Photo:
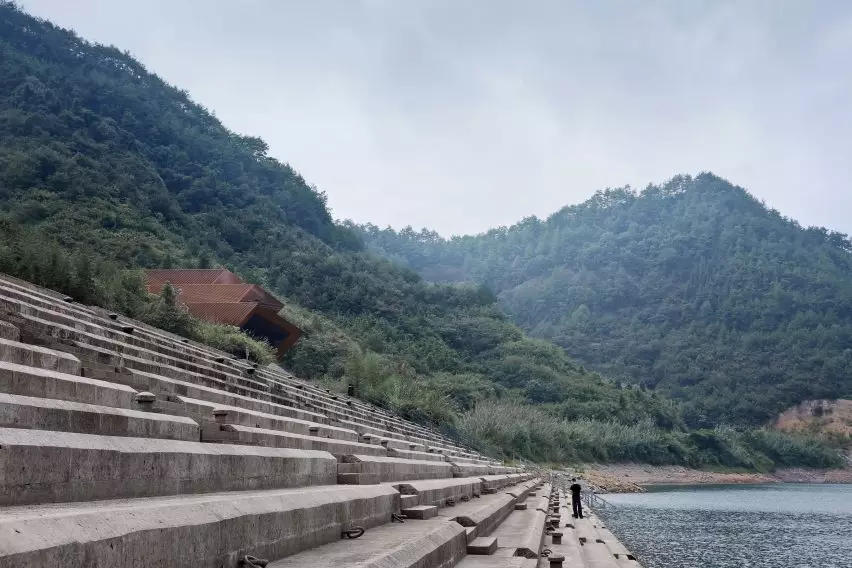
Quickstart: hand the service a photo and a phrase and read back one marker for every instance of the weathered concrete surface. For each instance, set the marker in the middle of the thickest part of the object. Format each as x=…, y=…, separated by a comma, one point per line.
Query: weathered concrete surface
x=236, y=434
x=9, y=331
x=41, y=357
x=50, y=467
x=64, y=416
x=203, y=410
x=415, y=544
x=483, y=545
x=437, y=491
x=31, y=381
x=412, y=455
x=201, y=531
x=421, y=512
x=522, y=532
x=503, y=562
x=497, y=482
x=484, y=513
x=158, y=384
x=378, y=469
x=469, y=469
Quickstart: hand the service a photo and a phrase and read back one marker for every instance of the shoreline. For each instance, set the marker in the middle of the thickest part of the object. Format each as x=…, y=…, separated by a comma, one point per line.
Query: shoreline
x=633, y=478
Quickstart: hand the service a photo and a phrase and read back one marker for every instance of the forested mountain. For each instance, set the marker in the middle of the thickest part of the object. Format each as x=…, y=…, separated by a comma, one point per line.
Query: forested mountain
x=104, y=169
x=694, y=289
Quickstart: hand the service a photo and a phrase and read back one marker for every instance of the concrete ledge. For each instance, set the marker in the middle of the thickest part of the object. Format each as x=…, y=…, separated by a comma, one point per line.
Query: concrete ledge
x=412, y=455
x=523, y=532
x=495, y=561
x=64, y=416
x=482, y=545
x=39, y=466
x=31, y=381
x=158, y=384
x=415, y=544
x=437, y=491
x=484, y=514
x=194, y=530
x=378, y=469
x=469, y=469
x=41, y=357
x=203, y=410
x=236, y=434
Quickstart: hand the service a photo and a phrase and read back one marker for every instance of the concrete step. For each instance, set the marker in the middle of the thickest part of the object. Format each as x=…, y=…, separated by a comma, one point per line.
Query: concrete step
x=502, y=562
x=31, y=381
x=237, y=434
x=158, y=384
x=379, y=469
x=63, y=416
x=469, y=469
x=522, y=533
x=421, y=512
x=412, y=455
x=482, y=546
x=203, y=410
x=485, y=514
x=438, y=491
x=40, y=357
x=210, y=530
x=406, y=501
x=414, y=544
x=40, y=466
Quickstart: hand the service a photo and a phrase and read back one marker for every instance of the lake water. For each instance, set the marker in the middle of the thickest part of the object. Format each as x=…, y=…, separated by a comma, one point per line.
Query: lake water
x=741, y=526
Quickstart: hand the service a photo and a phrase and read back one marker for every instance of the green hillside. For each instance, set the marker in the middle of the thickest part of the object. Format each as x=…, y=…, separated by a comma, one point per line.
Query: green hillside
x=105, y=169
x=694, y=289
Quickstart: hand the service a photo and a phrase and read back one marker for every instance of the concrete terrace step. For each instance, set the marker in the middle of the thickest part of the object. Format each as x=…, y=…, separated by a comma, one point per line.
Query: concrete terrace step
x=225, y=414
x=237, y=434
x=206, y=531
x=412, y=455
x=482, y=545
x=522, y=532
x=380, y=469
x=159, y=384
x=60, y=415
x=40, y=357
x=437, y=491
x=31, y=381
x=502, y=562
x=414, y=544
x=484, y=514
x=40, y=466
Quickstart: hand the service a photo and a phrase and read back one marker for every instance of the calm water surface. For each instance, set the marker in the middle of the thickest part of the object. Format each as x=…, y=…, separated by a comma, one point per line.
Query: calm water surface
x=736, y=526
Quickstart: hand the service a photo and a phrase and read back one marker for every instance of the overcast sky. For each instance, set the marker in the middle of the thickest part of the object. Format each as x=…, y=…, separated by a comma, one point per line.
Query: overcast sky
x=462, y=115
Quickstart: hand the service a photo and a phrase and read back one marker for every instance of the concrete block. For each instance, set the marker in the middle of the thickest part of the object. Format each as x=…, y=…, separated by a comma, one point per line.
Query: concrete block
x=9, y=331
x=417, y=544
x=40, y=357
x=31, y=381
x=49, y=414
x=406, y=501
x=483, y=545
x=210, y=530
x=421, y=512
x=522, y=531
x=43, y=466
x=469, y=469
x=412, y=455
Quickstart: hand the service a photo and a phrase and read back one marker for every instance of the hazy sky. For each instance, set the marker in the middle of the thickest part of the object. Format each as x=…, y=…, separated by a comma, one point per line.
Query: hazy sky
x=462, y=115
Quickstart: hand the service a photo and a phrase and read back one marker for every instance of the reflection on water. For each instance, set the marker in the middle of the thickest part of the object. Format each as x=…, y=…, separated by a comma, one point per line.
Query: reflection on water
x=766, y=526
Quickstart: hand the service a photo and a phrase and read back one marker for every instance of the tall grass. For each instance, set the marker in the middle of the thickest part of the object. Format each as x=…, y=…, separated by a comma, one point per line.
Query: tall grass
x=507, y=427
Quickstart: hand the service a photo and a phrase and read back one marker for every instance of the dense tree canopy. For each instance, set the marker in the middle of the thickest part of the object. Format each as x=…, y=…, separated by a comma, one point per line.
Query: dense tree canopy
x=693, y=288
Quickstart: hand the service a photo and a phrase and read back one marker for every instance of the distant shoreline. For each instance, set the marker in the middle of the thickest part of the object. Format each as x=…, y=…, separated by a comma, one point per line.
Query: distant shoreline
x=632, y=478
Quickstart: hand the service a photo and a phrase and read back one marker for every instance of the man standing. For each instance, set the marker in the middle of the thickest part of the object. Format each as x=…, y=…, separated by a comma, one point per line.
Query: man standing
x=576, y=503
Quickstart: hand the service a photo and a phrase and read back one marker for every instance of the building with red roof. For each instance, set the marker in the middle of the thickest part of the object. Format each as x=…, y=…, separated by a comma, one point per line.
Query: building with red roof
x=218, y=295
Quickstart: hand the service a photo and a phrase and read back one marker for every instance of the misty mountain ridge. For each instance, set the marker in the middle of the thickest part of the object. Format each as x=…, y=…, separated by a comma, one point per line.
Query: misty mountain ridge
x=693, y=287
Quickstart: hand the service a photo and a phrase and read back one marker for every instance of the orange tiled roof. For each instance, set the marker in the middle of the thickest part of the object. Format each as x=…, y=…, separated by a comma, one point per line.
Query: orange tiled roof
x=231, y=313
x=210, y=293
x=157, y=278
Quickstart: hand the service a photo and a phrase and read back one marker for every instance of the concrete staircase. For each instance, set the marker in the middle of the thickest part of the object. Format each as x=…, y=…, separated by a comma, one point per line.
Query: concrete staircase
x=122, y=445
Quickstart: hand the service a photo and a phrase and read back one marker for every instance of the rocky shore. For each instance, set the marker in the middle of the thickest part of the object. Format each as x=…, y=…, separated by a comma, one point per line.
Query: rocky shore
x=631, y=478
